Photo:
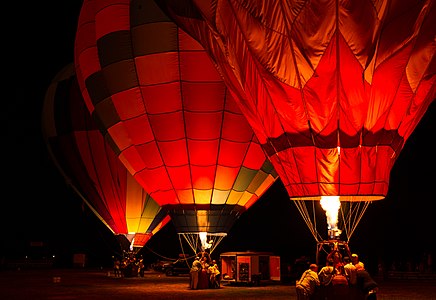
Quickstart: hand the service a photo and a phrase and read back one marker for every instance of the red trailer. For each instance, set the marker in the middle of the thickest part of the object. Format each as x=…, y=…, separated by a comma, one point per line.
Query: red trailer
x=249, y=267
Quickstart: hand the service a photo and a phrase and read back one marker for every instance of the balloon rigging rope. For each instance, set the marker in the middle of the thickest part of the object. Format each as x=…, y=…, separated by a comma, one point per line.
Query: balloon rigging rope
x=161, y=256
x=305, y=214
x=359, y=215
x=353, y=217
x=183, y=252
x=193, y=240
x=350, y=219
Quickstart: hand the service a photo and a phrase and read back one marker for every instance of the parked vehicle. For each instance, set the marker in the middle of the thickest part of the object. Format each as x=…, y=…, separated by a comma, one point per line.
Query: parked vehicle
x=159, y=265
x=181, y=266
x=249, y=267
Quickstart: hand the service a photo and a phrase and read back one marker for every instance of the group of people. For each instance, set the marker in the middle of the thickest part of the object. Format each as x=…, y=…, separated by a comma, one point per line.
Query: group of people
x=129, y=265
x=204, y=273
x=341, y=279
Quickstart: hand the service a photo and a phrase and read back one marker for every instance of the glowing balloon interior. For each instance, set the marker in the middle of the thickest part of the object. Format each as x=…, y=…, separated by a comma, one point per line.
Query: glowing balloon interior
x=170, y=118
x=332, y=89
x=92, y=169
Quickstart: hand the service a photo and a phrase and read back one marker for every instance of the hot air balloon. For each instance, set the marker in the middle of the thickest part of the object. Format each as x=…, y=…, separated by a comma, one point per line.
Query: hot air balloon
x=332, y=89
x=159, y=98
x=92, y=169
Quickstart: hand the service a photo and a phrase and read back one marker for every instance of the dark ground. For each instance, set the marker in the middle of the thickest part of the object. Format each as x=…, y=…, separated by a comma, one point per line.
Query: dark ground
x=99, y=284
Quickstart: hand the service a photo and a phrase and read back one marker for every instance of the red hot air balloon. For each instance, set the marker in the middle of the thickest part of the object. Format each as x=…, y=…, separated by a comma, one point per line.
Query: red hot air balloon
x=92, y=169
x=332, y=89
x=159, y=98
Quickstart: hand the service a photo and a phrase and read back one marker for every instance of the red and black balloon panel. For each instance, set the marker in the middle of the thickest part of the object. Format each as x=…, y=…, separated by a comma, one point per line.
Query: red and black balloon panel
x=174, y=125
x=91, y=167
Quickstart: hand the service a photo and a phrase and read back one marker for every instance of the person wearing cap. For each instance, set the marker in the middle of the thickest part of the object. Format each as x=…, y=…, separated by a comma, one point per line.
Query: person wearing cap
x=350, y=271
x=308, y=283
x=356, y=262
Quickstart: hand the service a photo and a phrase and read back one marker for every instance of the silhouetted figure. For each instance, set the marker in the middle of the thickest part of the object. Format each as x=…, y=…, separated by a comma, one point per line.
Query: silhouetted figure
x=194, y=273
x=367, y=287
x=306, y=286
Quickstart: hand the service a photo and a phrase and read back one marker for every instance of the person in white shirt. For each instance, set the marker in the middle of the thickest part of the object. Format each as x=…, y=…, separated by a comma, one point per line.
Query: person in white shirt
x=356, y=262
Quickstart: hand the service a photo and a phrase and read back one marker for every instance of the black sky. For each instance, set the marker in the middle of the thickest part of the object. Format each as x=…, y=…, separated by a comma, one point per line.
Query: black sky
x=38, y=206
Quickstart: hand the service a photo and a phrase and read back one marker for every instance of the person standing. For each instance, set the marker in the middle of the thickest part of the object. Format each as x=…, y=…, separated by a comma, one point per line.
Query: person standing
x=325, y=276
x=214, y=275
x=350, y=271
x=141, y=267
x=117, y=267
x=306, y=286
x=203, y=277
x=356, y=262
x=366, y=285
x=194, y=273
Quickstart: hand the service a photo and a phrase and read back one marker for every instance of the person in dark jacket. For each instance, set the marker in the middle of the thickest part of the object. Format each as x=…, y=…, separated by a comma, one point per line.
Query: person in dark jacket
x=367, y=287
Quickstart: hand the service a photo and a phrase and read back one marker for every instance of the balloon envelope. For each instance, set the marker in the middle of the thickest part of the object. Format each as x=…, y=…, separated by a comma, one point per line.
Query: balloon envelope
x=332, y=89
x=171, y=120
x=91, y=167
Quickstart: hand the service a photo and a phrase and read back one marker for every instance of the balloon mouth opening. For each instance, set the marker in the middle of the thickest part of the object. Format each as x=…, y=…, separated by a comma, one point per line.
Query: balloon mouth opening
x=202, y=241
x=342, y=198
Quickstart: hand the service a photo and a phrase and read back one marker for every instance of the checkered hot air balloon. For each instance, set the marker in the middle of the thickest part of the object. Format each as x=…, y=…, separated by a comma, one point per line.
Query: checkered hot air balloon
x=91, y=167
x=160, y=100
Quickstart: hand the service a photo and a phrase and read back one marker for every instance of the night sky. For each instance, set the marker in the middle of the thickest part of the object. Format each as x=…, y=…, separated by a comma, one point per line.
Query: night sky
x=37, y=205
